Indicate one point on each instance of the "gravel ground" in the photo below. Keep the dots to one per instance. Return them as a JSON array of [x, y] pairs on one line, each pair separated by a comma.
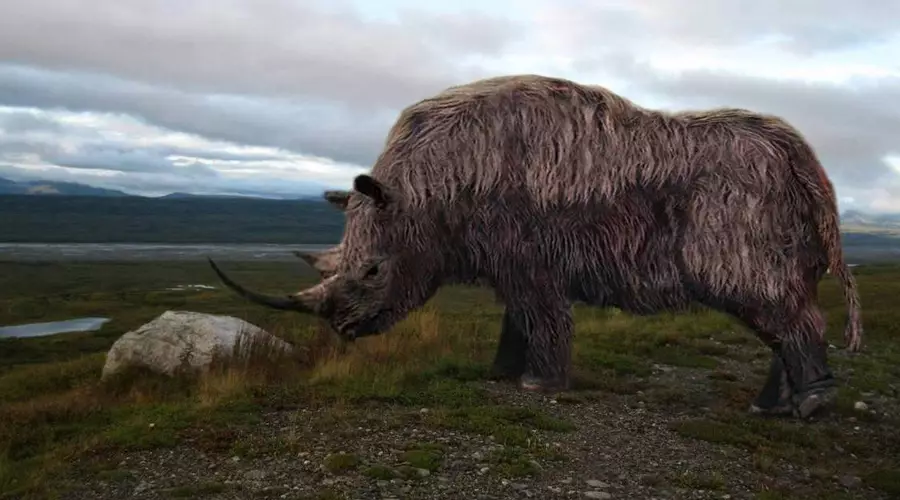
[[622, 448]]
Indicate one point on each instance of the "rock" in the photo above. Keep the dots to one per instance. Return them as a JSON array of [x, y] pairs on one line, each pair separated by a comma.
[[184, 341], [593, 483], [849, 481], [601, 495], [860, 406], [255, 475]]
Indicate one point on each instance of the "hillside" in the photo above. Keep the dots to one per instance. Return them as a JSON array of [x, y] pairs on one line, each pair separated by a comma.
[[132, 219], [8, 186]]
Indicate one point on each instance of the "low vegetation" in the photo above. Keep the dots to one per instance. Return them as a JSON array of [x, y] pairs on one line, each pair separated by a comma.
[[135, 219], [413, 410]]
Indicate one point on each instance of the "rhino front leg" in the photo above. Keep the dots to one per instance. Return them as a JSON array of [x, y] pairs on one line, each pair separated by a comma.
[[509, 360], [548, 334]]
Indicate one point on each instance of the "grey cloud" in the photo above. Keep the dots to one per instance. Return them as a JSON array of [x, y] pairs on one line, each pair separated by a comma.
[[27, 121], [120, 159], [305, 127], [280, 48], [852, 128], [804, 26]]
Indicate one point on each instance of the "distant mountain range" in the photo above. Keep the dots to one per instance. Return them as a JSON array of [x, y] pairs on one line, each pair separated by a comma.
[[8, 186], [51, 187], [855, 219]]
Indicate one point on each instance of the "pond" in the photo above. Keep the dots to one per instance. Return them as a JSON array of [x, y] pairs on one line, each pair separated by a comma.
[[53, 327]]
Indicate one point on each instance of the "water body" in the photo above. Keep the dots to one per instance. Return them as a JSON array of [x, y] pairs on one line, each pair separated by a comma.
[[150, 251], [52, 328]]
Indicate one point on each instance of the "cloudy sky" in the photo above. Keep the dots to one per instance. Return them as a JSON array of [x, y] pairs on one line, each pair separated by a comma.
[[295, 96]]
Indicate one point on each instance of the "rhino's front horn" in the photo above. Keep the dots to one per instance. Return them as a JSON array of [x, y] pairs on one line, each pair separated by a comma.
[[311, 300]]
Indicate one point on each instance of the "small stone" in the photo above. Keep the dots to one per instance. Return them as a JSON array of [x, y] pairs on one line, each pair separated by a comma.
[[519, 486], [255, 475], [860, 406], [235, 459], [423, 472], [593, 483], [484, 470], [478, 455], [849, 481], [600, 495]]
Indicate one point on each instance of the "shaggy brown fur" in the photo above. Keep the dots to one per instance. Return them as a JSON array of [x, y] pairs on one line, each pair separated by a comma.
[[554, 192]]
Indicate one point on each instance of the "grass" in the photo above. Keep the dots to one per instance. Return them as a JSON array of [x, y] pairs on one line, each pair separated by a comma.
[[54, 412]]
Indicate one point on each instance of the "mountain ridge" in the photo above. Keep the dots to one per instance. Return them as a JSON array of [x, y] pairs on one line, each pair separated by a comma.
[[60, 188]]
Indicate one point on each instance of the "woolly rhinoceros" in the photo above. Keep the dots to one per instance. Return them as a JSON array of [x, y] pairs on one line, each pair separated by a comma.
[[553, 192]]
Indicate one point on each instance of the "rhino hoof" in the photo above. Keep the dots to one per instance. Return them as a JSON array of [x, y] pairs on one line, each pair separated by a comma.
[[777, 411], [813, 404], [534, 384]]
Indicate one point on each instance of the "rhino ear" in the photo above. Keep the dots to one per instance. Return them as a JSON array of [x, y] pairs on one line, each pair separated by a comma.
[[338, 198], [375, 190]]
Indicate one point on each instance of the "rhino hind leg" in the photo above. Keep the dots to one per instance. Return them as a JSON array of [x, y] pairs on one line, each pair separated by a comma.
[[812, 382], [800, 381], [509, 360]]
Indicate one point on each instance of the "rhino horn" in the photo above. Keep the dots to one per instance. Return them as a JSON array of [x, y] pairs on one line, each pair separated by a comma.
[[310, 300], [326, 261], [338, 198]]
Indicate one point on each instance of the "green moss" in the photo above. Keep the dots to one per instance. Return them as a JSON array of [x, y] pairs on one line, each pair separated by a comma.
[[197, 490], [382, 472], [886, 480], [340, 463]]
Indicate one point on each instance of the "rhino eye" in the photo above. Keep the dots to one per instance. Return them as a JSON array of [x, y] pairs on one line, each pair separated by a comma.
[[371, 272]]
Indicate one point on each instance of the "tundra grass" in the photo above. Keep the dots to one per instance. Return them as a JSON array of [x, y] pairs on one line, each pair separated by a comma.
[[54, 410]]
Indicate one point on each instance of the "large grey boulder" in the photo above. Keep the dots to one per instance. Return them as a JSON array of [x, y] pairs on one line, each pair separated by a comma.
[[183, 342]]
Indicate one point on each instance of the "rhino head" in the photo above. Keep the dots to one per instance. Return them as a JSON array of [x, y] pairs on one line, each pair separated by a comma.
[[384, 267]]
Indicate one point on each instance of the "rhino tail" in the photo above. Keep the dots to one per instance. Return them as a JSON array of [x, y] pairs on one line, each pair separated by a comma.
[[827, 219]]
